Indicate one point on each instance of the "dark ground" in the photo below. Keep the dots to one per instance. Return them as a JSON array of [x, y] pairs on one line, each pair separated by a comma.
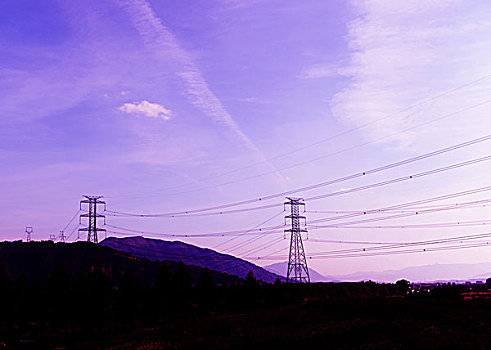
[[85, 296], [378, 323], [389, 323]]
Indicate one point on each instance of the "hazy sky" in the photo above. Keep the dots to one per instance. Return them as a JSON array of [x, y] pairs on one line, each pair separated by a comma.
[[156, 104]]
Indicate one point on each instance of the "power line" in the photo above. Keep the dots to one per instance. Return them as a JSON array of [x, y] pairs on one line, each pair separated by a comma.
[[362, 253], [413, 226], [251, 240], [72, 232], [405, 244], [421, 201], [335, 153], [422, 212], [255, 227], [359, 255], [336, 241], [406, 210], [163, 255], [275, 229], [276, 251], [263, 231], [264, 246], [311, 187], [71, 220], [325, 140], [267, 245], [420, 250], [123, 214], [257, 231], [238, 236], [402, 178]]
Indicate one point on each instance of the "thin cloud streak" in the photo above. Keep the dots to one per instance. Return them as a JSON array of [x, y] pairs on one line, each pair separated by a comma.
[[402, 53], [163, 44]]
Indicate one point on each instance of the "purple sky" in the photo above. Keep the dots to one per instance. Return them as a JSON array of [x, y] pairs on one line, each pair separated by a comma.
[[149, 103]]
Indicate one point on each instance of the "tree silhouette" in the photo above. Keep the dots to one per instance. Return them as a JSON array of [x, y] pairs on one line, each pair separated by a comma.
[[97, 295], [128, 295], [182, 285], [402, 286], [4, 294], [21, 292], [206, 289], [163, 279], [250, 289], [163, 289], [250, 281], [58, 290]]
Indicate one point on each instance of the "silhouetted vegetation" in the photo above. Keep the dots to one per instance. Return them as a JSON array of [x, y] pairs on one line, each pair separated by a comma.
[[97, 297]]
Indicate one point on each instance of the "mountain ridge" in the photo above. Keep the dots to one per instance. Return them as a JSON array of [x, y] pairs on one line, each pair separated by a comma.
[[159, 250], [281, 267], [37, 261], [421, 273]]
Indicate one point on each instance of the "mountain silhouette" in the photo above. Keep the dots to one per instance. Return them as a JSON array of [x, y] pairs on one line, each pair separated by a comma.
[[423, 273], [281, 267], [159, 250], [37, 260]]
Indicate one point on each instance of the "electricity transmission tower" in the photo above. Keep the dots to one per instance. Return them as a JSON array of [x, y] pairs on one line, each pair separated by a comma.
[[92, 202], [29, 231], [298, 271], [62, 236]]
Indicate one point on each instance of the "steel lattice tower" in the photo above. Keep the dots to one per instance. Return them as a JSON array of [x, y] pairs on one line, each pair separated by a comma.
[[298, 271], [92, 216], [29, 231]]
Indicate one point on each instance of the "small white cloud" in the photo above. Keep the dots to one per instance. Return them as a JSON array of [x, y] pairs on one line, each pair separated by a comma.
[[147, 109]]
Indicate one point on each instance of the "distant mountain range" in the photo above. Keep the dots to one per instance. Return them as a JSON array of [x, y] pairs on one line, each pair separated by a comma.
[[281, 267], [159, 250], [435, 272]]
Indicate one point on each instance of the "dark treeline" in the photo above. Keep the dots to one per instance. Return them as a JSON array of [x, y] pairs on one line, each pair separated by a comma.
[[78, 305], [61, 297], [88, 300], [89, 303]]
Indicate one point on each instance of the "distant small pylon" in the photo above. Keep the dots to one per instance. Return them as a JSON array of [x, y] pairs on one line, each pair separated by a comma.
[[29, 231], [62, 236], [52, 238]]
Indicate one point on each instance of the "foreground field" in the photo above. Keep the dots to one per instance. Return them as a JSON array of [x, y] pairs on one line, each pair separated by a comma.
[[380, 323], [388, 323], [91, 297]]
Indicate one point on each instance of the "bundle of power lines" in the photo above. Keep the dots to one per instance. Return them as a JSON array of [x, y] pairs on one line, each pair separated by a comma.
[[341, 219]]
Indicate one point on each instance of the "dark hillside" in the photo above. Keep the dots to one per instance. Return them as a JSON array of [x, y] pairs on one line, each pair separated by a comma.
[[158, 250], [37, 260]]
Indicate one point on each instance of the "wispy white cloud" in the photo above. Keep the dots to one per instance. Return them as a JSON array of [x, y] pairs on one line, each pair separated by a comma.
[[405, 52], [163, 45], [147, 109], [319, 71]]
